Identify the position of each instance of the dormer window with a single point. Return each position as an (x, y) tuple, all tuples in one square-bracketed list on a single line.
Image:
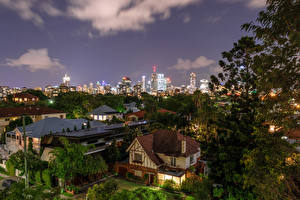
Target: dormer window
[(173, 161)]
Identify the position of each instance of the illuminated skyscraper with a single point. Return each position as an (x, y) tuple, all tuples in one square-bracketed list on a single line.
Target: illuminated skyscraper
[(204, 85), (143, 83), (124, 87), (154, 81), (192, 86), (161, 82), (66, 80)]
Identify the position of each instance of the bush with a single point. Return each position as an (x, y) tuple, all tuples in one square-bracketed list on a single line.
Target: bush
[(10, 168), (38, 178), (169, 185), (46, 177)]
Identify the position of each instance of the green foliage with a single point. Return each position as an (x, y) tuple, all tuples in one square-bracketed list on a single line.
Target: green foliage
[(102, 191), (46, 177), (18, 191), (140, 194), (199, 187), (70, 160), (10, 168), (112, 153), (68, 130), (169, 185), (38, 178), (33, 160)]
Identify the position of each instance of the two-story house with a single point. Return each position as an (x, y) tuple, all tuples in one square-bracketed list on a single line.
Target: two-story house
[(163, 154), (35, 112), (104, 113)]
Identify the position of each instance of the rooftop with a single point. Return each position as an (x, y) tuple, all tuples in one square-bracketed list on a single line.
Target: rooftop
[(102, 110)]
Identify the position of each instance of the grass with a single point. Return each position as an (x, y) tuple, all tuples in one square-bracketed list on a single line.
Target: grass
[(1, 178), (126, 185)]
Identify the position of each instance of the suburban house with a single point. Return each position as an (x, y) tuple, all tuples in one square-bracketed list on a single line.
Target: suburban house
[(140, 115), (131, 107), (25, 98), (36, 132), (45, 134), (35, 112), (163, 154), (104, 113)]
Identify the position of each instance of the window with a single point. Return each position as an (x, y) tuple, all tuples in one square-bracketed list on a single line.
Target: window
[(61, 116), (138, 173), (173, 161), (137, 157), (192, 159)]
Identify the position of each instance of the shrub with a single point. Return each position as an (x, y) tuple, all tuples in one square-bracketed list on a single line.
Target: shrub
[(169, 185), (129, 175), (10, 168), (46, 177), (38, 178), (190, 185)]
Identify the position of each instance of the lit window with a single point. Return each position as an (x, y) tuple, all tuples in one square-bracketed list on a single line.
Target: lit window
[(272, 129), (168, 177), (173, 161), (95, 117)]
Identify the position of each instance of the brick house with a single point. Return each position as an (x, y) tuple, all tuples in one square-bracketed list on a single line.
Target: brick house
[(163, 154), (25, 98)]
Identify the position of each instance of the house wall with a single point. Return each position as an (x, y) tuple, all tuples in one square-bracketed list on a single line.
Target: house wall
[(146, 161), (17, 143)]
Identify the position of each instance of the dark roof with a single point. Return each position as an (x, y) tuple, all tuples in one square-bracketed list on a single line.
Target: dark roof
[(24, 95), (103, 110), (29, 110), (141, 114), (146, 141), (167, 142)]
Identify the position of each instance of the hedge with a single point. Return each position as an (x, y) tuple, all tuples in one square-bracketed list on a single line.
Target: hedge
[(46, 177), (10, 168)]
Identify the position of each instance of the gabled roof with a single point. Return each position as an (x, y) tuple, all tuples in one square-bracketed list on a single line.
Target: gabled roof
[(146, 141), (28, 110), (167, 142), (102, 110)]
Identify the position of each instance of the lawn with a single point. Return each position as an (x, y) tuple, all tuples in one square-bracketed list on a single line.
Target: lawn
[(124, 184)]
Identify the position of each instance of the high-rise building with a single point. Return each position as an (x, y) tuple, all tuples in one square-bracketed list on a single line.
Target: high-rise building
[(137, 88), (154, 81), (192, 87), (91, 88), (66, 80), (161, 82), (85, 88), (204, 86), (124, 87), (143, 83)]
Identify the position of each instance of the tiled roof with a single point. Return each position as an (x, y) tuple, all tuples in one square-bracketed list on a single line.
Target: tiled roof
[(167, 142), (29, 110)]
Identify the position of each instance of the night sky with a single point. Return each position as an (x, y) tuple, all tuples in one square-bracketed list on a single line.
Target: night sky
[(95, 40)]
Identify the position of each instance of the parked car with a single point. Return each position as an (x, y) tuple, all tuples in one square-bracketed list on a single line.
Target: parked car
[(8, 182)]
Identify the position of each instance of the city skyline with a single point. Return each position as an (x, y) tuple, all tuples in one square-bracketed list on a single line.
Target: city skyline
[(40, 43)]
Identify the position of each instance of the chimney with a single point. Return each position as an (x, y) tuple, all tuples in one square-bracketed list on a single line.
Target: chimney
[(183, 146)]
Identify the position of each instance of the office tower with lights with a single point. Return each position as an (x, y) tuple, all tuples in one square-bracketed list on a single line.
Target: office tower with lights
[(85, 88), (161, 83), (66, 80), (137, 89), (192, 86), (124, 87), (154, 81), (204, 86), (143, 83)]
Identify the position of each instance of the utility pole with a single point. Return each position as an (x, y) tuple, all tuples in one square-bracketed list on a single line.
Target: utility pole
[(25, 152)]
